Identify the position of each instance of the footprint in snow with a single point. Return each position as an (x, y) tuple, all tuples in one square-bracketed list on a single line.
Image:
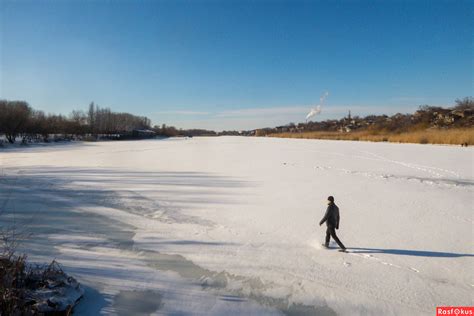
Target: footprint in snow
[(368, 256)]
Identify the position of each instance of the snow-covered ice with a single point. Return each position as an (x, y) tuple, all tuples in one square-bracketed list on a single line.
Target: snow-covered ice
[(230, 224)]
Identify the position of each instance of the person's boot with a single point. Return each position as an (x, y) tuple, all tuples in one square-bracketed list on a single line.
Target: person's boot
[(325, 245)]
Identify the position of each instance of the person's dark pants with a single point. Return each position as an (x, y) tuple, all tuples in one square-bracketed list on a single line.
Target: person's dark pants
[(331, 232)]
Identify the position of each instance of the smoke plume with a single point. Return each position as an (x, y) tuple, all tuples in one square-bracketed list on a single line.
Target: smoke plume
[(315, 111)]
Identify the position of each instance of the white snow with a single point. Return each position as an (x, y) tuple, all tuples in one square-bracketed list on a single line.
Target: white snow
[(230, 224)]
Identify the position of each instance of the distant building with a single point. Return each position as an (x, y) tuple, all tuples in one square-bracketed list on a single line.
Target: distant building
[(143, 133)]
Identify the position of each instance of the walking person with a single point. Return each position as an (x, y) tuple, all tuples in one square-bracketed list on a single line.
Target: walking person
[(332, 222)]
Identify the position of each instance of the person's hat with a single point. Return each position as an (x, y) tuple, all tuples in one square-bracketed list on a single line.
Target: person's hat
[(331, 198)]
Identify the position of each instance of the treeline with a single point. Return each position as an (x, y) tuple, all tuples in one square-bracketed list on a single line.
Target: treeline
[(104, 121), (459, 116), (171, 131), (19, 120)]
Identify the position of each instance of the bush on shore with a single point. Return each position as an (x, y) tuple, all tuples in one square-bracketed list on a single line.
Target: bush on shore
[(36, 290)]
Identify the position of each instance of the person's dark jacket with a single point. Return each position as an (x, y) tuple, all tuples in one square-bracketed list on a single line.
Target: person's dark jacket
[(331, 217)]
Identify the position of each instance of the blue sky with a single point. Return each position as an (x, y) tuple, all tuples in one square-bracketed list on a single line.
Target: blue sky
[(236, 64)]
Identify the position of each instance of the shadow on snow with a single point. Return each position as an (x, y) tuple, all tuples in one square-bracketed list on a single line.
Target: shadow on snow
[(405, 252)]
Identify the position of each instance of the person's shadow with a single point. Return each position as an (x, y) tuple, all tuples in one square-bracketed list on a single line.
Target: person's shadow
[(404, 252)]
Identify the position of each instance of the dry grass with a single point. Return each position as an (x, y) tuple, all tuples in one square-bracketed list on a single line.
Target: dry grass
[(12, 279), (430, 136)]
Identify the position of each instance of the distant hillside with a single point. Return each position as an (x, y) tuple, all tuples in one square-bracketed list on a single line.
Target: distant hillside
[(429, 124)]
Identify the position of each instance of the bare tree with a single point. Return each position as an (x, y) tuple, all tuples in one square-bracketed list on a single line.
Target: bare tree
[(14, 116), (465, 104)]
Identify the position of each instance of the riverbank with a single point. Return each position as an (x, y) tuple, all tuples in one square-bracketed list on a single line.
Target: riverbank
[(431, 136)]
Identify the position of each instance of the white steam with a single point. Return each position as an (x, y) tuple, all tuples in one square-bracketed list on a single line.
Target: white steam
[(315, 111)]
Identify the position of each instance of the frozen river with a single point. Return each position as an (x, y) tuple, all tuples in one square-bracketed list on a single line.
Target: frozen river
[(230, 224)]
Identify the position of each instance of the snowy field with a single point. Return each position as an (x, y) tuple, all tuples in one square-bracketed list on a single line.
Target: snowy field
[(230, 224)]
